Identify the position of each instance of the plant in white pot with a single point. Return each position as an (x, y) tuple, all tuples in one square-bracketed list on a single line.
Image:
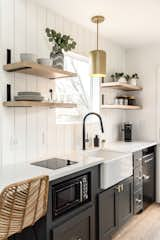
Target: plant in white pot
[(118, 77), (127, 77), (60, 43), (121, 78), (134, 78)]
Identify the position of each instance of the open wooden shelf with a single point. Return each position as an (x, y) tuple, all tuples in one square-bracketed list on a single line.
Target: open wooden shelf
[(122, 107), (38, 70), (38, 104), (121, 86)]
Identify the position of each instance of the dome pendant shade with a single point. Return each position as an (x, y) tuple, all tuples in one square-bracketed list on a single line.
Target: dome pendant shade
[(98, 63), (98, 57)]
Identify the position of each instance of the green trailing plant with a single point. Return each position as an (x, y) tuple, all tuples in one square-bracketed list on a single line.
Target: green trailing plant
[(135, 75), (117, 76), (60, 42), (127, 77)]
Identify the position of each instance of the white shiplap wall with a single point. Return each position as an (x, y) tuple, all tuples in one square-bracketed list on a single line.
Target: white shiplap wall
[(28, 134)]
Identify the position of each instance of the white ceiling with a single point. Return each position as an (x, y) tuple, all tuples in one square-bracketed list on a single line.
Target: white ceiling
[(128, 22)]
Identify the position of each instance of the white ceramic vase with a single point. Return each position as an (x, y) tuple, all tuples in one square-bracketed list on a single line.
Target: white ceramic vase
[(122, 80), (133, 81)]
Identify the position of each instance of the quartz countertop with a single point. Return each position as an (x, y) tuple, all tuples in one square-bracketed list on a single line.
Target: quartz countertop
[(129, 146), (10, 174)]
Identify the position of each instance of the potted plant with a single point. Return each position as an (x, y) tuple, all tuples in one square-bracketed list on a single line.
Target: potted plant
[(59, 43), (118, 77), (134, 79), (127, 77), (121, 78)]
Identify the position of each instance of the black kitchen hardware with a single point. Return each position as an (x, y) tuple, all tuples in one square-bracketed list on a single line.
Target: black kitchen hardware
[(96, 141), (102, 99), (8, 92), (148, 166), (8, 56), (54, 163), (138, 182), (51, 94), (115, 208), (84, 127), (70, 194)]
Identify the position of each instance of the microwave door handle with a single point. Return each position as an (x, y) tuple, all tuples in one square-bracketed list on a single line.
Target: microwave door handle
[(81, 191)]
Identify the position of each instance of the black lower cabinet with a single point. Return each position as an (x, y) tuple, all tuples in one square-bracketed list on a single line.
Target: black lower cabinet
[(115, 208), (107, 213), (80, 227), (125, 201)]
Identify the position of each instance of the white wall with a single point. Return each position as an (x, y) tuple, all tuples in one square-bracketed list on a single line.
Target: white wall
[(29, 134), (146, 62)]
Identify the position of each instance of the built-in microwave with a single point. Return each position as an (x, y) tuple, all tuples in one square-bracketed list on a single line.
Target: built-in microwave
[(70, 194)]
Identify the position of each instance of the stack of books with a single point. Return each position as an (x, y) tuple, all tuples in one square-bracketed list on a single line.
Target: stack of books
[(28, 96)]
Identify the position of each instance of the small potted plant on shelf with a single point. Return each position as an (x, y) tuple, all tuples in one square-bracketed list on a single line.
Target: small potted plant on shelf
[(59, 43), (134, 78), (127, 77), (118, 77), (121, 78)]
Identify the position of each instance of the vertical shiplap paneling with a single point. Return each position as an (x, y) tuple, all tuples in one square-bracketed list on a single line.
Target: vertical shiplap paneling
[(51, 127), (31, 81), (42, 84), (7, 116), (20, 79), (30, 134)]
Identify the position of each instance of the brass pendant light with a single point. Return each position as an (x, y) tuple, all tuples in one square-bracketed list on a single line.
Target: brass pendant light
[(98, 57)]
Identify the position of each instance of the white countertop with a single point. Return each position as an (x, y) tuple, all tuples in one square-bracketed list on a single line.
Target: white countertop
[(129, 146), (18, 172)]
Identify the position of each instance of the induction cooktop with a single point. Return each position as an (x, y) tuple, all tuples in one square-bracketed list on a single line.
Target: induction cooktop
[(54, 163)]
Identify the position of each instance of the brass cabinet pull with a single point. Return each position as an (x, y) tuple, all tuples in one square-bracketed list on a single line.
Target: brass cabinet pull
[(118, 188), (122, 187)]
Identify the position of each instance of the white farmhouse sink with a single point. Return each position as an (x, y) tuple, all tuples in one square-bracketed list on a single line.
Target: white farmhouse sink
[(116, 166)]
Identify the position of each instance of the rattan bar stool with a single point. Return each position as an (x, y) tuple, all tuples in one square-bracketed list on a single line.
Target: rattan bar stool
[(22, 204)]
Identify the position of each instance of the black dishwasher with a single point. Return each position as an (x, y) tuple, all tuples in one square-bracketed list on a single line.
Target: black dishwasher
[(148, 166)]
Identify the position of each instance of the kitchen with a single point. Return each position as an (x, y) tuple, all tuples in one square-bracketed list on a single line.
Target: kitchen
[(116, 175)]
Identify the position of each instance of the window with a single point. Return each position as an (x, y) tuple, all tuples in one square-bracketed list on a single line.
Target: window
[(80, 89)]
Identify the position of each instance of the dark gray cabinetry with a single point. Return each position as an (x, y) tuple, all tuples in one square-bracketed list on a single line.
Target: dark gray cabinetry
[(115, 208), (108, 213), (80, 227), (77, 224)]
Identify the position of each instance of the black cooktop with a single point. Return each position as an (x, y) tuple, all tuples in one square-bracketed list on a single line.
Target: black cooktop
[(54, 163)]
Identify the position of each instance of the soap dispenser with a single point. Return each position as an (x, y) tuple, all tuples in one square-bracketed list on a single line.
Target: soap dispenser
[(96, 141)]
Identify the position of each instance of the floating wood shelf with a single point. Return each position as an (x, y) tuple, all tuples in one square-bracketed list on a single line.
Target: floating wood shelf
[(38, 70), (38, 104), (122, 107), (121, 86)]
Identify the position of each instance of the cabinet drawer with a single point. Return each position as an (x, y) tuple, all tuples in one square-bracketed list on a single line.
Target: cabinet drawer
[(138, 178), (138, 201), (137, 159), (79, 227)]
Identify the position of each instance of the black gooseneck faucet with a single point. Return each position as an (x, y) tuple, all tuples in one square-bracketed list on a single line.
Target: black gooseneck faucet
[(84, 127)]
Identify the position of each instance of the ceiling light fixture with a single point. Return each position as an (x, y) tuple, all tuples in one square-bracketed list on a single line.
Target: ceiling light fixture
[(98, 57)]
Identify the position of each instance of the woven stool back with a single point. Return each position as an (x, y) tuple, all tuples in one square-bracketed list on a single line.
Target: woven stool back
[(22, 204)]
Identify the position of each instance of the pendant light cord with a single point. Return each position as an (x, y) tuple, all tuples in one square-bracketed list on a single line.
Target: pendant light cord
[(97, 35)]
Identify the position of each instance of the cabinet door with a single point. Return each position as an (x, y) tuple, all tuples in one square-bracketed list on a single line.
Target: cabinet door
[(79, 227), (125, 201), (107, 213)]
